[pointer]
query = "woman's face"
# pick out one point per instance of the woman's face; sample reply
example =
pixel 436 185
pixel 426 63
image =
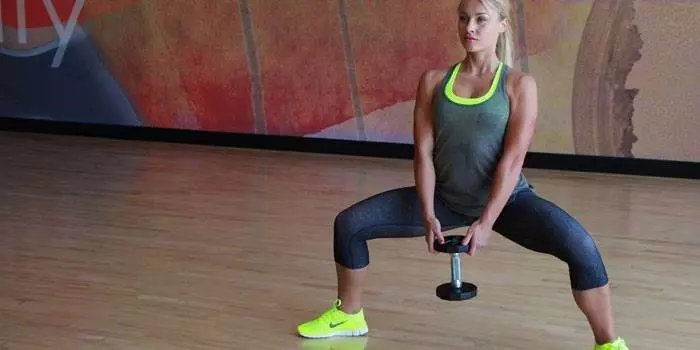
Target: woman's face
pixel 479 25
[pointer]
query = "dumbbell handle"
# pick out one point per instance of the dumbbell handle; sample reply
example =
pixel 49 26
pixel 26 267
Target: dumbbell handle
pixel 456 271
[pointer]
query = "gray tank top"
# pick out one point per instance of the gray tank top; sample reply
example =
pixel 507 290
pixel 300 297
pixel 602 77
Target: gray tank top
pixel 469 135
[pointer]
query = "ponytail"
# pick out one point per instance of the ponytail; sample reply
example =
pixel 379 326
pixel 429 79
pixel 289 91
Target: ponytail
pixel 504 47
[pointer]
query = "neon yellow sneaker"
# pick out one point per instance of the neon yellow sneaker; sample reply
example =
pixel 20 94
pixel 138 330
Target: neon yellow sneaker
pixel 617 344
pixel 334 322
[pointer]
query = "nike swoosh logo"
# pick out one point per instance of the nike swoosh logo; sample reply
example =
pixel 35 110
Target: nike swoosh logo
pixel 333 325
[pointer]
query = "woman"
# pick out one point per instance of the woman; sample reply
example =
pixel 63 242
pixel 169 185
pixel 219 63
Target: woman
pixel 473 125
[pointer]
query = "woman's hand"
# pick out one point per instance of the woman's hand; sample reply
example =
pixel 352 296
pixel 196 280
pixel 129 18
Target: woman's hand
pixel 478 234
pixel 433 231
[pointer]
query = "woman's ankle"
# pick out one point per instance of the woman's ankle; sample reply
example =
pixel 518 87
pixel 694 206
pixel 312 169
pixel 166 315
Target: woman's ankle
pixel 605 338
pixel 351 307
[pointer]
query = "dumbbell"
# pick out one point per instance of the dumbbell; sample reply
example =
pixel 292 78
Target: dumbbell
pixel 456 290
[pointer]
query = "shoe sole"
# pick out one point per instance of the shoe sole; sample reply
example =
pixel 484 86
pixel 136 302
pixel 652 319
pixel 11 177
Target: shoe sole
pixel 355 333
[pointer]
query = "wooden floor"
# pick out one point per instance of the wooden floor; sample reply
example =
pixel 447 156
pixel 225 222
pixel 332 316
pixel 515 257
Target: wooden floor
pixel 124 245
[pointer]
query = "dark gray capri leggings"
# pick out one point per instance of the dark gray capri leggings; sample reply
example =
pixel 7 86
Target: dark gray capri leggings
pixel 527 219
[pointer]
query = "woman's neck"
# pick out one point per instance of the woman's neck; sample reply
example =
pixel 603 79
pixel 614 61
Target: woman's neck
pixel 478 63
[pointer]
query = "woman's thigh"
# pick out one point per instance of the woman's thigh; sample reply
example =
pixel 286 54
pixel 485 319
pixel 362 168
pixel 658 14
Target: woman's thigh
pixel 395 213
pixel 540 225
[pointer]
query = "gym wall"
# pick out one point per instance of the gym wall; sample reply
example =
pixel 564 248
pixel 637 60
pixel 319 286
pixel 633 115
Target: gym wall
pixel 348 69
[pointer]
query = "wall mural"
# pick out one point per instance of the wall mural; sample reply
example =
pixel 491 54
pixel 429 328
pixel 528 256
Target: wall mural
pixel 614 75
pixel 603 106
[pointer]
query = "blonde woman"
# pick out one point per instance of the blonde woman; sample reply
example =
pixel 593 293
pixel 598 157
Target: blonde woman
pixel 473 124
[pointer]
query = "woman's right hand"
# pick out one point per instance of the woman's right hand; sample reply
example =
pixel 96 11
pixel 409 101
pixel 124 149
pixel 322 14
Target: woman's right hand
pixel 433 231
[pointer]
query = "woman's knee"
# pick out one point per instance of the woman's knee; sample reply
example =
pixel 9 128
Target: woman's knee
pixel 342 222
pixel 350 233
pixel 352 219
pixel 386 214
pixel 345 242
pixel 586 267
pixel 565 238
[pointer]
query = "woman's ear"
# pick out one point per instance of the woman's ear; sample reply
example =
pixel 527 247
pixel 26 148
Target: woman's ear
pixel 504 24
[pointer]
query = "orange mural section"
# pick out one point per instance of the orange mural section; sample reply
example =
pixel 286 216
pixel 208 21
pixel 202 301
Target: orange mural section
pixel 544 24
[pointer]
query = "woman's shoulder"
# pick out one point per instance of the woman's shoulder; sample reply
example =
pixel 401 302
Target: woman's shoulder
pixel 517 82
pixel 432 77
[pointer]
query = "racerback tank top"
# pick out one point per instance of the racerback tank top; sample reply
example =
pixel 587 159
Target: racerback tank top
pixel 469 134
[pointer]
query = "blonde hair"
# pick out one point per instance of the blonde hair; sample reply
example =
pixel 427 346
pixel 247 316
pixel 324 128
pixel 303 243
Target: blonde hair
pixel 505 45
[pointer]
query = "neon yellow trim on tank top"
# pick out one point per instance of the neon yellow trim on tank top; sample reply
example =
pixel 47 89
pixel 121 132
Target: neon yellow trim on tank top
pixel 449 88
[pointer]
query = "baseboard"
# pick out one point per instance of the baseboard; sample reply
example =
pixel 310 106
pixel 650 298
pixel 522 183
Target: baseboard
pixel 614 165
pixel 570 162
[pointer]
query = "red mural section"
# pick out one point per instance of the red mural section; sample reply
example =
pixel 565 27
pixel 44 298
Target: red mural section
pixel 193 71
pixel 37 15
pixel 304 78
pixel 193 64
pixel 210 55
pixel 395 43
pixel 183 63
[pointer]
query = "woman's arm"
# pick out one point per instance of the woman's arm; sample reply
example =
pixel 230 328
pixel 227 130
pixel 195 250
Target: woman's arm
pixel 521 127
pixel 423 166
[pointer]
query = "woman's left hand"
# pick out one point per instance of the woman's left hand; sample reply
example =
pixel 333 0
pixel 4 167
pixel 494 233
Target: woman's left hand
pixel 478 234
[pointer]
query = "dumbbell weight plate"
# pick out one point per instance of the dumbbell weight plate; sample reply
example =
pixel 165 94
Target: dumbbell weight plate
pixel 446 291
pixel 453 244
